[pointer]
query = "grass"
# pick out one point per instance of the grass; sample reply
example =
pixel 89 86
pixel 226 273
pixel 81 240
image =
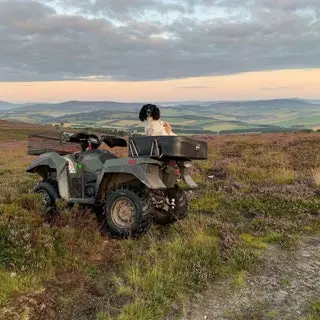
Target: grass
pixel 125 123
pixel 216 126
pixel 262 192
pixel 11 282
pixel 17 131
pixel 316 176
pixel 313 311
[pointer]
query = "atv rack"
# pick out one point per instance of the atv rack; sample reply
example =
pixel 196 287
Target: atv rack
pixel 41 143
pixel 173 147
pixel 154 151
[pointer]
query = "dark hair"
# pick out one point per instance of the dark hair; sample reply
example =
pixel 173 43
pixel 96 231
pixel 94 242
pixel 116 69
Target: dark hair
pixel 149 110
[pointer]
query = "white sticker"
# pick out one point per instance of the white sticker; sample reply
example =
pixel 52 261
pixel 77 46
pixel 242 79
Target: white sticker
pixel 71 167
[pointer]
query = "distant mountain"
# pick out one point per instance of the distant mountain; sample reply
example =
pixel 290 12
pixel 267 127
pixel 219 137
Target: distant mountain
pixel 314 101
pixel 263 103
pixel 194 116
pixel 90 106
pixel 80 106
pixel 7 105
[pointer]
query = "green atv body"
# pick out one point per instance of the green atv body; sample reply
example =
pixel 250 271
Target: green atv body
pixel 130 191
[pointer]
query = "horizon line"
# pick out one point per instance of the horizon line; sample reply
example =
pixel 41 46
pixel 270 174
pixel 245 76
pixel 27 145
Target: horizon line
pixel 155 102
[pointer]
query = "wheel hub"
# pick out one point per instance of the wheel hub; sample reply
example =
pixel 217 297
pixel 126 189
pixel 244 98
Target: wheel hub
pixel 123 212
pixel 45 200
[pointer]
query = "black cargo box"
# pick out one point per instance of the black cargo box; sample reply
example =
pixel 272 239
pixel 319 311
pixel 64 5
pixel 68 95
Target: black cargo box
pixel 177 147
pixel 49 142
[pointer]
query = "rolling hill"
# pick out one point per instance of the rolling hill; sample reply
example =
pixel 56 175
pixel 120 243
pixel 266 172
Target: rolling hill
pixel 186 117
pixel 79 106
pixel 7 105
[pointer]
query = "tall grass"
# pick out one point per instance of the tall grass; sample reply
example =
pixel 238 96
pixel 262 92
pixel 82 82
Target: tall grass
pixel 316 176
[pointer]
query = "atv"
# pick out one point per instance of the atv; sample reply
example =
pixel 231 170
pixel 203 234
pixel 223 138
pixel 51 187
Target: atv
pixel 130 191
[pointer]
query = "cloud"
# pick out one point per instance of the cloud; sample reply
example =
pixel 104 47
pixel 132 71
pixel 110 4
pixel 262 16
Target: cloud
pixel 280 88
pixel 127 40
pixel 194 87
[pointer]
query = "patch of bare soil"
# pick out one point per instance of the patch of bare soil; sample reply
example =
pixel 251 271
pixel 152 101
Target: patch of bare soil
pixel 282 288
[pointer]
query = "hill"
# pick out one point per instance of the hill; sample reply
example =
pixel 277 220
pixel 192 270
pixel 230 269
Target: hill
pixel 113 105
pixel 79 106
pixel 277 115
pixel 7 105
pixel 16 130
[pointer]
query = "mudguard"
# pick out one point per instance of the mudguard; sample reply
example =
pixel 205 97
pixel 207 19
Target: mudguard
pixel 51 159
pixel 55 162
pixel 144 169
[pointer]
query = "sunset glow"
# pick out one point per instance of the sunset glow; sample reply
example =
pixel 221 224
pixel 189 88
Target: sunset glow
pixel 255 85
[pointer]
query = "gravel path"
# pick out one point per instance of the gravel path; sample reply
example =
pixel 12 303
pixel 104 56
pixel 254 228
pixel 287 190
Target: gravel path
pixel 281 289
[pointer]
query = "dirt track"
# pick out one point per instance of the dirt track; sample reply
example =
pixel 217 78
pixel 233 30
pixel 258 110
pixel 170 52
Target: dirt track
pixel 281 289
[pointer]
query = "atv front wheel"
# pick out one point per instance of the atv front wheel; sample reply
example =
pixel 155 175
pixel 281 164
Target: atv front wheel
pixel 127 213
pixel 49 196
pixel 180 210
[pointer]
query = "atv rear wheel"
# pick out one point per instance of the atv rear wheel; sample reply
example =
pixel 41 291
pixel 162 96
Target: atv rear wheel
pixel 49 196
pixel 179 212
pixel 127 213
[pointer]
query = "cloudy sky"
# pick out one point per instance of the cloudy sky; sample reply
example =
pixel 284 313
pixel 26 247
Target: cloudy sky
pixel 159 49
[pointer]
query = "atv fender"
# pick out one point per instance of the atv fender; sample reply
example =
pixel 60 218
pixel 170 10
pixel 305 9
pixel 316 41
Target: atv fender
pixel 56 163
pixel 145 170
pixel 50 160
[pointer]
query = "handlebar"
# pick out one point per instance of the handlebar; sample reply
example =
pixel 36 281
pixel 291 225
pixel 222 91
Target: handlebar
pixel 84 139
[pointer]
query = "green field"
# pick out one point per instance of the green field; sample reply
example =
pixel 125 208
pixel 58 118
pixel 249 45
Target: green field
pixel 218 117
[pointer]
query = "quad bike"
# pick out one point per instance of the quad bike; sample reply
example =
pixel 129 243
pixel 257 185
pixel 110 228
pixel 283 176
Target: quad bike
pixel 130 191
